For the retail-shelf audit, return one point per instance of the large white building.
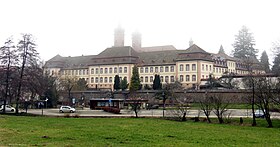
(189, 66)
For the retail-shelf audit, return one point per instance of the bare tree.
(181, 109)
(249, 82)
(67, 84)
(265, 89)
(28, 54)
(9, 59)
(206, 105)
(219, 106)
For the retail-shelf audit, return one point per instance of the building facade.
(189, 66)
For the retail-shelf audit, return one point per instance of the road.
(143, 113)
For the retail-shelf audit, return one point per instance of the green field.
(45, 131)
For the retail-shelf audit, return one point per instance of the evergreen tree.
(123, 84)
(135, 80)
(244, 44)
(117, 82)
(221, 51)
(265, 62)
(157, 82)
(276, 65)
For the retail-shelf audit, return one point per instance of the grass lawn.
(44, 131)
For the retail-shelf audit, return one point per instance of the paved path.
(143, 113)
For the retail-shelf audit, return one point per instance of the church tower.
(119, 37)
(136, 41)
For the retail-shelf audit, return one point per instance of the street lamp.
(163, 98)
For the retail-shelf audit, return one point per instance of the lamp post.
(163, 99)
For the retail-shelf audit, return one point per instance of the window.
(110, 79)
(96, 71)
(166, 69)
(106, 70)
(105, 79)
(80, 72)
(187, 78)
(187, 67)
(92, 71)
(110, 70)
(156, 69)
(214, 69)
(91, 80)
(171, 68)
(125, 69)
(141, 70)
(181, 67)
(146, 79)
(115, 70)
(141, 79)
(166, 79)
(193, 78)
(76, 72)
(161, 69)
(202, 76)
(96, 79)
(120, 69)
(193, 67)
(101, 71)
(151, 79)
(202, 67)
(210, 67)
(161, 78)
(206, 67)
(101, 79)
(172, 79)
(151, 69)
(181, 78)
(146, 70)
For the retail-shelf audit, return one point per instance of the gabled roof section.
(195, 49)
(158, 57)
(223, 56)
(118, 52)
(157, 48)
(56, 58)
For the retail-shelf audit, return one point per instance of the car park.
(8, 108)
(67, 109)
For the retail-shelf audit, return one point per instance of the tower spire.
(119, 36)
(136, 41)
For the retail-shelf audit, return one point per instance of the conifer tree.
(135, 80)
(244, 44)
(276, 65)
(117, 82)
(265, 62)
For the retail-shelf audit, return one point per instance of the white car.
(8, 108)
(68, 109)
(259, 114)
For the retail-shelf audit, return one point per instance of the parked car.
(259, 114)
(66, 109)
(152, 107)
(8, 108)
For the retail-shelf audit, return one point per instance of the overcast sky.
(86, 27)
